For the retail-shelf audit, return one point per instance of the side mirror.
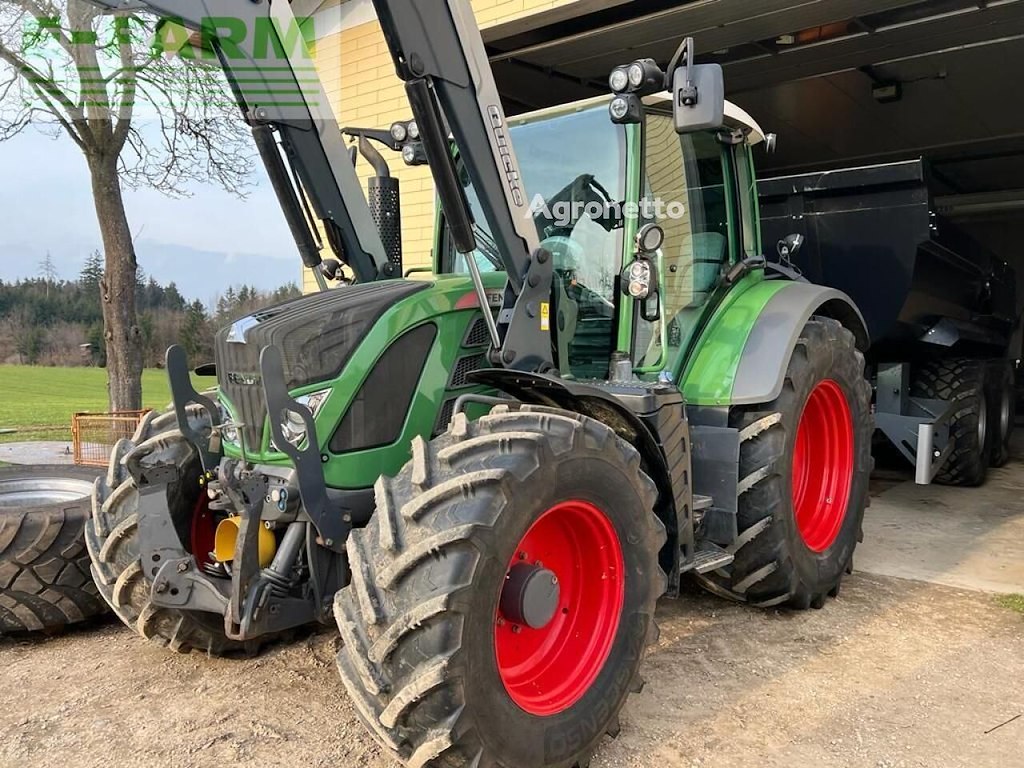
(789, 246)
(698, 97)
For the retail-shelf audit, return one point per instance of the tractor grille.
(444, 418)
(463, 367)
(477, 335)
(316, 334)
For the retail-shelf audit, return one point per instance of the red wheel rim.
(203, 529)
(545, 671)
(822, 465)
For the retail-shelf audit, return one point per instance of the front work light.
(414, 154)
(618, 80)
(626, 108)
(645, 77)
(399, 132)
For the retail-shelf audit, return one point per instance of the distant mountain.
(199, 274)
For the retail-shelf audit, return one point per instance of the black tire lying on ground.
(44, 567)
(964, 383)
(805, 460)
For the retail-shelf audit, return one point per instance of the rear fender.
(750, 365)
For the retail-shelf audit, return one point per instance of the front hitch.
(332, 529)
(184, 394)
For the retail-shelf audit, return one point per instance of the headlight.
(399, 132)
(636, 279)
(292, 425)
(228, 433)
(618, 80)
(414, 131)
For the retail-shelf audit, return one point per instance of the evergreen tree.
(194, 331)
(173, 299)
(92, 271)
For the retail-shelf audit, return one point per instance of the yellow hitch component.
(227, 534)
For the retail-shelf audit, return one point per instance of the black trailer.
(942, 310)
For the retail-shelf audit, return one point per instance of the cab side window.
(684, 188)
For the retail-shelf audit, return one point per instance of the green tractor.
(489, 477)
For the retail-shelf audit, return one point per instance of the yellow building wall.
(356, 69)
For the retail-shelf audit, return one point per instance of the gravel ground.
(894, 673)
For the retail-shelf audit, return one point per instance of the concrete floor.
(36, 452)
(971, 538)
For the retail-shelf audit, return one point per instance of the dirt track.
(895, 673)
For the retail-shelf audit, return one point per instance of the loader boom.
(440, 55)
(276, 88)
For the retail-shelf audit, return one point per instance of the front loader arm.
(258, 46)
(439, 53)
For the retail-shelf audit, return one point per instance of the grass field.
(39, 402)
(1013, 602)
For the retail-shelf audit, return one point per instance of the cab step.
(700, 503)
(710, 558)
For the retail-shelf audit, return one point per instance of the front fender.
(743, 353)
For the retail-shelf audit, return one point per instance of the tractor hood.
(315, 333)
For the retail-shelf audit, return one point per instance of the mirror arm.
(742, 268)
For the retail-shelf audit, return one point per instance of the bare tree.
(138, 117)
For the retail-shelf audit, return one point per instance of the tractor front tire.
(440, 655)
(964, 383)
(45, 583)
(805, 461)
(112, 539)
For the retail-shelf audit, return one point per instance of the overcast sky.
(47, 205)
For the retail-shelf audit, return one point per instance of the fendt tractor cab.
(487, 478)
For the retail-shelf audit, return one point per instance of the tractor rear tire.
(112, 538)
(1002, 412)
(805, 461)
(962, 382)
(45, 583)
(435, 668)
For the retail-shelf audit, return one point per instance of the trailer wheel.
(44, 569)
(503, 593)
(1002, 413)
(805, 459)
(962, 382)
(112, 539)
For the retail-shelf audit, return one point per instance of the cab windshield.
(574, 171)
